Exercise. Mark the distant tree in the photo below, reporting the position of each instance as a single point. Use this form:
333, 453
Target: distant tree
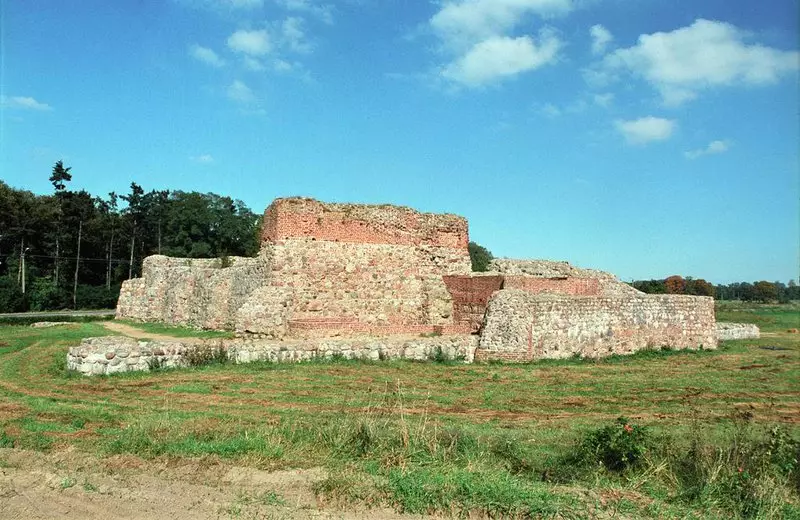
765, 291
675, 285
701, 287
60, 177
650, 286
134, 214
480, 257
792, 291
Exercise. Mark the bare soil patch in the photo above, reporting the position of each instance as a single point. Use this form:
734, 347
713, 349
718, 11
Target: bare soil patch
133, 332
69, 484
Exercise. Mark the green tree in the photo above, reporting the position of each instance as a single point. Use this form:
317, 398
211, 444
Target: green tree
480, 257
765, 291
60, 176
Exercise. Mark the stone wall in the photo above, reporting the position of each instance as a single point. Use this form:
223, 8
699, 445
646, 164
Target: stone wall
323, 270
356, 271
202, 293
521, 326
731, 331
116, 354
565, 278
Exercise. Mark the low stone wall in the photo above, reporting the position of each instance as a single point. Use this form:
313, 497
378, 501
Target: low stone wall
460, 347
731, 331
117, 354
522, 327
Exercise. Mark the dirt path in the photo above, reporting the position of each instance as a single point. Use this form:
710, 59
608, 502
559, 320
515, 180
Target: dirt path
70, 484
137, 333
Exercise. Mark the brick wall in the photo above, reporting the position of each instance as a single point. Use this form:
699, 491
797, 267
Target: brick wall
363, 224
524, 326
566, 285
470, 294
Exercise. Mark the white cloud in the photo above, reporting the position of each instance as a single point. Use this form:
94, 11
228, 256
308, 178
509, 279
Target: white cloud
23, 103
707, 54
219, 5
601, 37
646, 129
293, 34
550, 110
713, 148
243, 4
461, 22
322, 11
254, 43
603, 100
253, 64
203, 159
477, 35
206, 55
240, 92
500, 57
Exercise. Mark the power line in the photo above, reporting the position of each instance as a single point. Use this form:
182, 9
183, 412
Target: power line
113, 260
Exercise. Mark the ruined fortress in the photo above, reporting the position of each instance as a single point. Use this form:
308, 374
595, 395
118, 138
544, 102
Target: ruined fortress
382, 281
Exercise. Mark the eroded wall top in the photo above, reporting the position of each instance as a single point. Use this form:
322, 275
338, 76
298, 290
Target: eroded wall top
362, 223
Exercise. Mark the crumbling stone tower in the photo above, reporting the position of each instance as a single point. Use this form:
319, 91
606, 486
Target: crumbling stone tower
344, 270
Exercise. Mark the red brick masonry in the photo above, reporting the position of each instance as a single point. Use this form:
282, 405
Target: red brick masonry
567, 286
362, 224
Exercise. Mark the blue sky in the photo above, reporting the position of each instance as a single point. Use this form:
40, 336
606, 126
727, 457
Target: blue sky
643, 137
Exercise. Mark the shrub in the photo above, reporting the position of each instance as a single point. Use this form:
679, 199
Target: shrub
97, 297
11, 297
616, 447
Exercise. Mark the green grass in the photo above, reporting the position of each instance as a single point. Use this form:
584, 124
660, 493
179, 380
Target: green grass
425, 437
177, 331
22, 320
769, 317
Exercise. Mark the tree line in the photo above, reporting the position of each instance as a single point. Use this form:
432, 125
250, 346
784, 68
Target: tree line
761, 291
70, 249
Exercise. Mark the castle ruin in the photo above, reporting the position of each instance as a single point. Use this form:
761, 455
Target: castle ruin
337, 273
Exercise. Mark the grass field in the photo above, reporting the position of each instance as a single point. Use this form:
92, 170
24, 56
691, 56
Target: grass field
709, 434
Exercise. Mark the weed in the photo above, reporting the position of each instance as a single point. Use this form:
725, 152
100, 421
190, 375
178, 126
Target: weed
89, 487
6, 441
68, 482
155, 364
516, 458
206, 354
438, 356
271, 498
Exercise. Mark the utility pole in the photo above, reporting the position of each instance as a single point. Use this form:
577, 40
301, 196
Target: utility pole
77, 263
130, 265
108, 267
19, 264
133, 248
24, 250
